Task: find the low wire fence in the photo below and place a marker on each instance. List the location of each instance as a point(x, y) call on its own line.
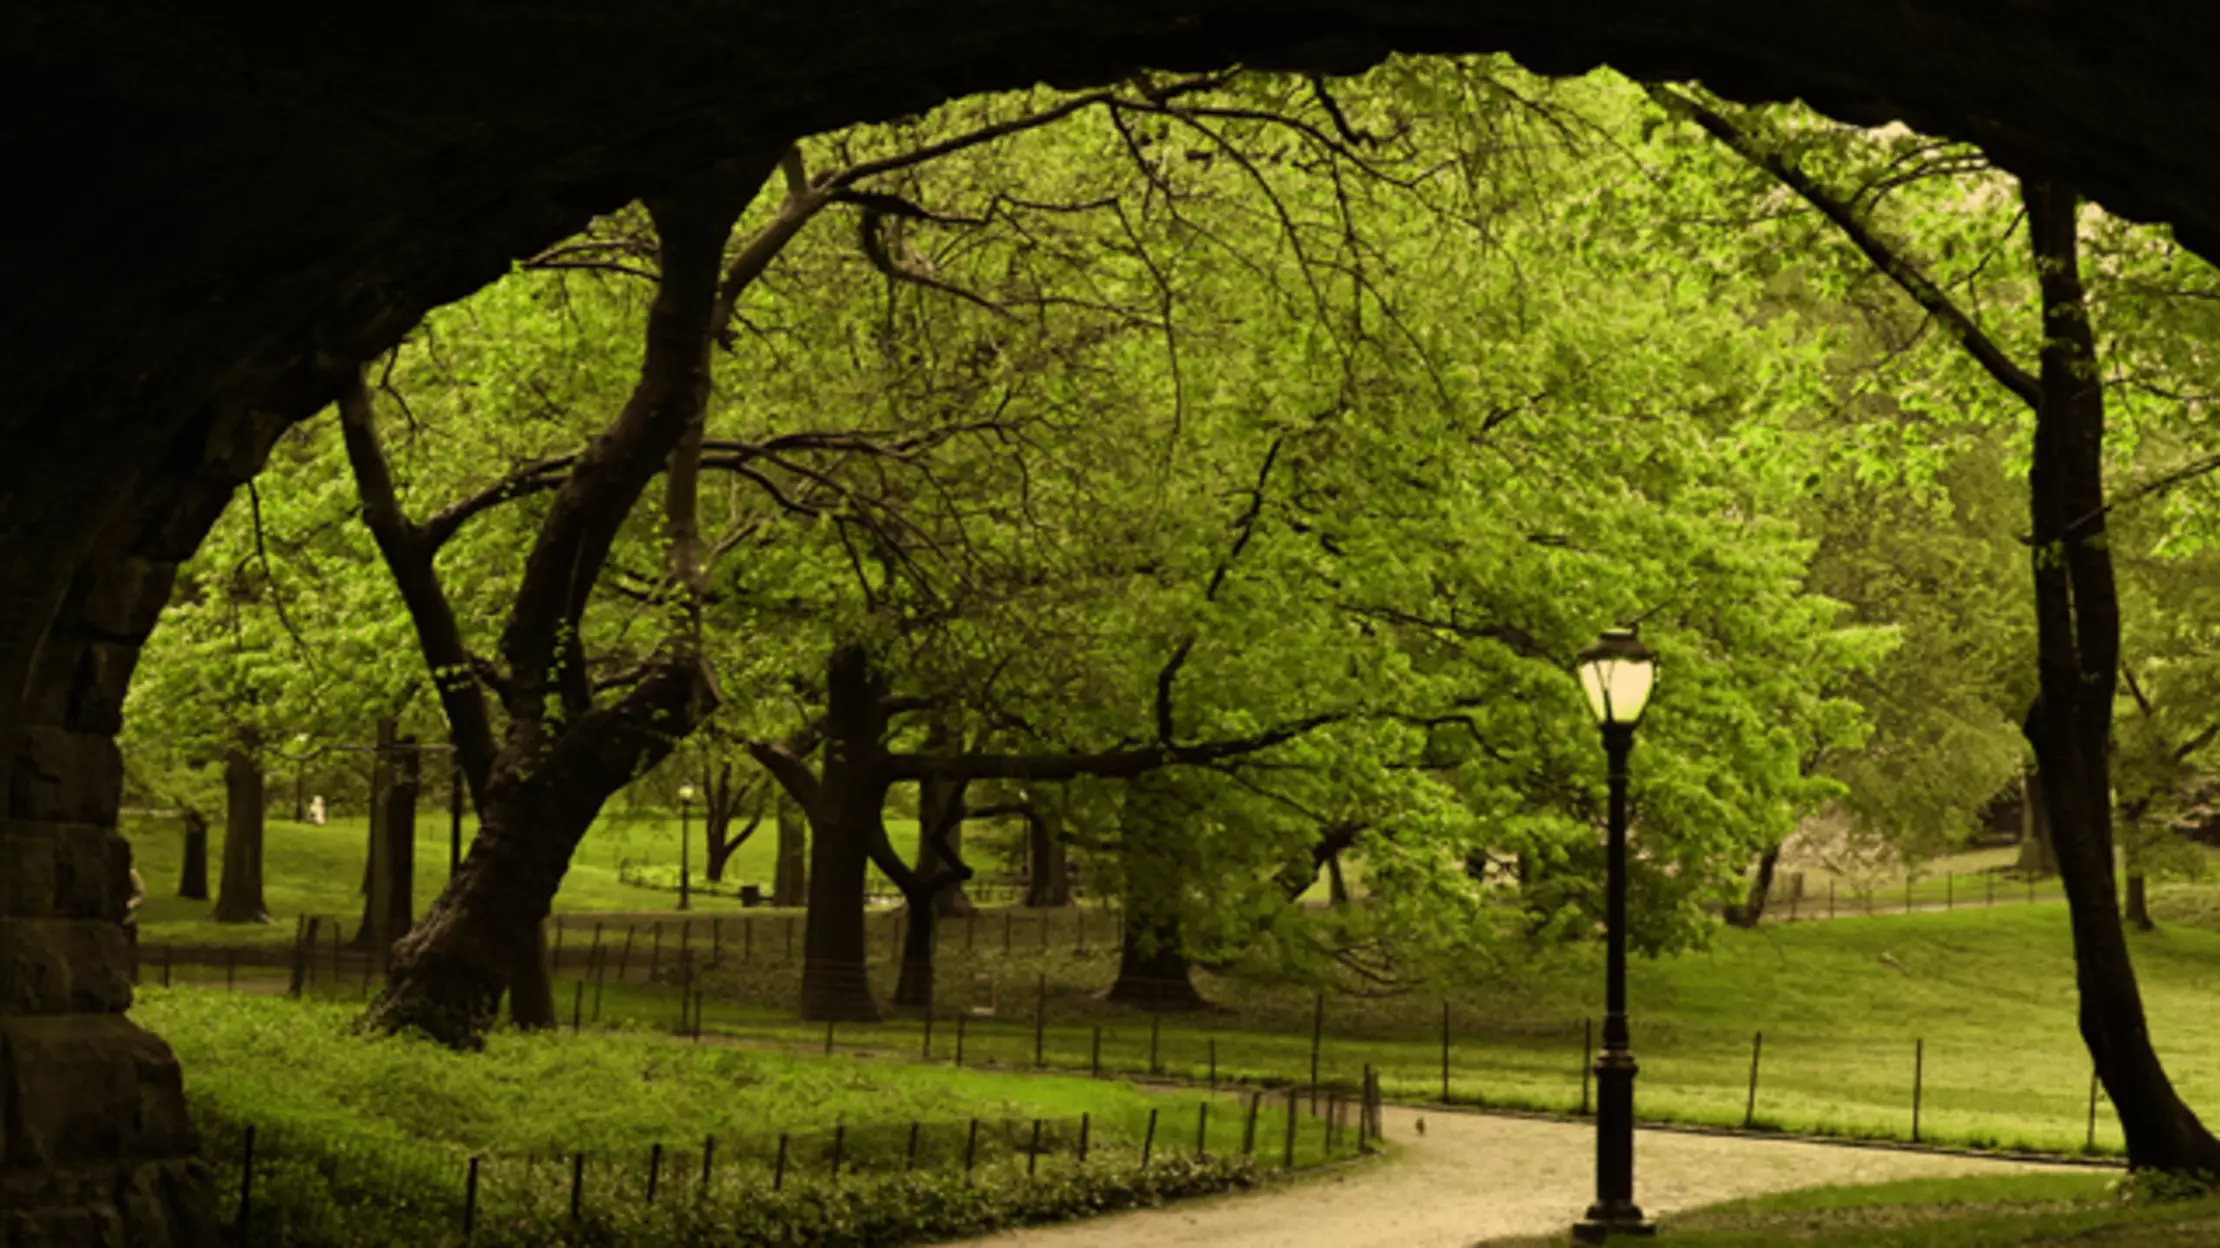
point(293, 1186)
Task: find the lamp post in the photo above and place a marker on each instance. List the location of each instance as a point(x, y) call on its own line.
point(1616, 673)
point(685, 840)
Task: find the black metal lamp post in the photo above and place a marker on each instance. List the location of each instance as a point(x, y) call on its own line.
point(685, 841)
point(1616, 673)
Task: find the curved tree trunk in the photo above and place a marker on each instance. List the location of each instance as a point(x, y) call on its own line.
point(390, 907)
point(2077, 625)
point(192, 883)
point(1752, 910)
point(790, 877)
point(1337, 888)
point(940, 803)
point(239, 893)
point(914, 990)
point(1048, 881)
point(2139, 902)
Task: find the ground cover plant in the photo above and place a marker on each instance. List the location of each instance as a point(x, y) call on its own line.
point(880, 1151)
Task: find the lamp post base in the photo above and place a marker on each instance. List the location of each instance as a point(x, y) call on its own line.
point(1622, 1222)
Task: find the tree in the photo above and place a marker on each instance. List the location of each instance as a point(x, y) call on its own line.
point(2076, 613)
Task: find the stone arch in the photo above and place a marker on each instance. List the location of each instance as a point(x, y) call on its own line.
point(240, 201)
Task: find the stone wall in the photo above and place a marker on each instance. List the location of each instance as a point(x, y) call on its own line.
point(95, 1145)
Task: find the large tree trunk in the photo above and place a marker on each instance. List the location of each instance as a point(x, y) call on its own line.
point(239, 893)
point(374, 842)
point(531, 988)
point(1152, 967)
point(2077, 647)
point(193, 881)
point(1337, 887)
point(1752, 910)
point(719, 803)
point(1153, 972)
point(1048, 878)
point(790, 877)
point(850, 802)
point(2139, 901)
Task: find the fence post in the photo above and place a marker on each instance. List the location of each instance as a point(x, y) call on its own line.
point(1148, 1142)
point(840, 1143)
point(1040, 1013)
point(1587, 1058)
point(1094, 1056)
point(2090, 1145)
point(1033, 1150)
point(778, 1170)
point(1445, 1052)
point(708, 1150)
point(1248, 1132)
point(1919, 1070)
point(577, 1181)
point(1749, 1113)
point(1202, 1131)
point(1287, 1159)
point(470, 1199)
point(246, 1186)
point(1155, 1023)
point(1317, 1036)
point(1086, 1121)
point(747, 939)
point(655, 1168)
point(971, 1150)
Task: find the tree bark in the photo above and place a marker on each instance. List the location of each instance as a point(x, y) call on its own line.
point(914, 989)
point(193, 881)
point(1752, 910)
point(790, 877)
point(849, 802)
point(2139, 901)
point(239, 893)
point(531, 988)
point(2077, 648)
point(1153, 970)
point(1337, 888)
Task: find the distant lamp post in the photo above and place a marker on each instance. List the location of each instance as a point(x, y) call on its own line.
point(1617, 674)
point(685, 854)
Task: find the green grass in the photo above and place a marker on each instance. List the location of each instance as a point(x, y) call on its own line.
point(1986, 997)
point(318, 870)
point(1983, 1212)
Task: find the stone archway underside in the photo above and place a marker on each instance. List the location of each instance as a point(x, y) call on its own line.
point(213, 212)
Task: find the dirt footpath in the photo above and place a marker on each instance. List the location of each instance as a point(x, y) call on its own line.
point(1473, 1177)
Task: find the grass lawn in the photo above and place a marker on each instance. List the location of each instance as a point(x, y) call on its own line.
point(1983, 1001)
point(1986, 1212)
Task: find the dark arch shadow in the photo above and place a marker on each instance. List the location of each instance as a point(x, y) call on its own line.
point(217, 210)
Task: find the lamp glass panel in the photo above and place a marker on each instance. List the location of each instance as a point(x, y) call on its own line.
point(1618, 688)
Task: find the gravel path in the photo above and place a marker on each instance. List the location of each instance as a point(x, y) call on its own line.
point(1473, 1177)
